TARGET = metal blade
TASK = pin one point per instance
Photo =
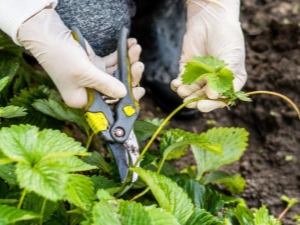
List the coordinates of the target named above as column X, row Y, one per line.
column 120, row 154
column 132, row 148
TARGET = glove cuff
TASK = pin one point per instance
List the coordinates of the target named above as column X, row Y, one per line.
column 15, row 12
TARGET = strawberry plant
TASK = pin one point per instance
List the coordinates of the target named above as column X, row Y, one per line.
column 48, row 177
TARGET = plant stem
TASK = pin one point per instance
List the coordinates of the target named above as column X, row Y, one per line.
column 24, row 192
column 140, row 194
column 278, row 95
column 42, row 211
column 162, row 126
column 89, row 141
column 73, row 211
column 283, row 213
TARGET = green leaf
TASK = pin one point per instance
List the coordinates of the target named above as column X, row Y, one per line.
column 235, row 183
column 144, row 129
column 211, row 62
column 160, row 216
column 105, row 213
column 290, row 201
column 35, row 204
column 25, row 100
column 221, row 81
column 101, row 182
column 133, row 213
column 60, row 216
column 47, row 179
column 59, row 110
column 12, row 111
column 242, row 96
column 194, row 71
column 75, row 164
column 233, row 141
column 214, row 176
column 176, row 137
column 9, row 215
column 25, row 143
column 3, row 82
column 7, row 173
column 201, row 196
column 201, row 216
column 7, row 45
column 111, row 211
column 97, row 159
column 219, row 78
column 79, row 190
column 168, row 194
column 37, row 169
column 244, row 215
column 263, row 217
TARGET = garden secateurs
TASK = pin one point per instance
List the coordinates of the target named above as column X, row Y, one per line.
column 114, row 122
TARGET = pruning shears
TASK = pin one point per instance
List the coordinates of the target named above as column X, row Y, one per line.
column 114, row 122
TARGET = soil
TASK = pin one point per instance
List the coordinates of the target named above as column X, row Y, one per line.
column 271, row 164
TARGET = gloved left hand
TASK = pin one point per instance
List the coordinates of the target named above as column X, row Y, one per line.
column 213, row 28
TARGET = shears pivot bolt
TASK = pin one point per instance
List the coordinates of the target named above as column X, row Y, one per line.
column 119, row 132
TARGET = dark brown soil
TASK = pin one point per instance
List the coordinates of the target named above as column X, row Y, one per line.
column 271, row 164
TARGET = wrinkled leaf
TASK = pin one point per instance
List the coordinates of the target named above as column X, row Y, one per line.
column 3, row 82
column 160, row 216
column 59, row 110
column 262, row 217
column 144, row 129
column 200, row 216
column 25, row 99
column 233, row 142
column 244, row 215
column 194, row 71
column 174, row 143
column 219, row 78
column 47, row 179
column 235, row 183
column 9, row 215
column 7, row 173
column 201, row 196
column 43, row 158
column 8, row 46
column 222, row 81
column 213, row 63
column 104, row 213
column 35, row 203
column 168, row 194
column 79, row 190
column 96, row 159
column 12, row 111
column 101, row 182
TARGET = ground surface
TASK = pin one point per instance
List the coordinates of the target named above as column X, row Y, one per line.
column 271, row 164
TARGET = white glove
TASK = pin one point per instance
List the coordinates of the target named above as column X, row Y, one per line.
column 213, row 28
column 68, row 65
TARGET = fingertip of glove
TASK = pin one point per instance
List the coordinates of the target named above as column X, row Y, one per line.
column 209, row 105
column 175, row 84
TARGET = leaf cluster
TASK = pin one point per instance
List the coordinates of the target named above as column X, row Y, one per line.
column 217, row 76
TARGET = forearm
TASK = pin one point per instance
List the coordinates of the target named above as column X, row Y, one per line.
column 14, row 12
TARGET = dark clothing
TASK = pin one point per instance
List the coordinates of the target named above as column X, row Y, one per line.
column 100, row 21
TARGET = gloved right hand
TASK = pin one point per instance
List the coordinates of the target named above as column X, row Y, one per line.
column 213, row 29
column 68, row 65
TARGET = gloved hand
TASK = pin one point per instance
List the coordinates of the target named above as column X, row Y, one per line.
column 213, row 28
column 68, row 65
